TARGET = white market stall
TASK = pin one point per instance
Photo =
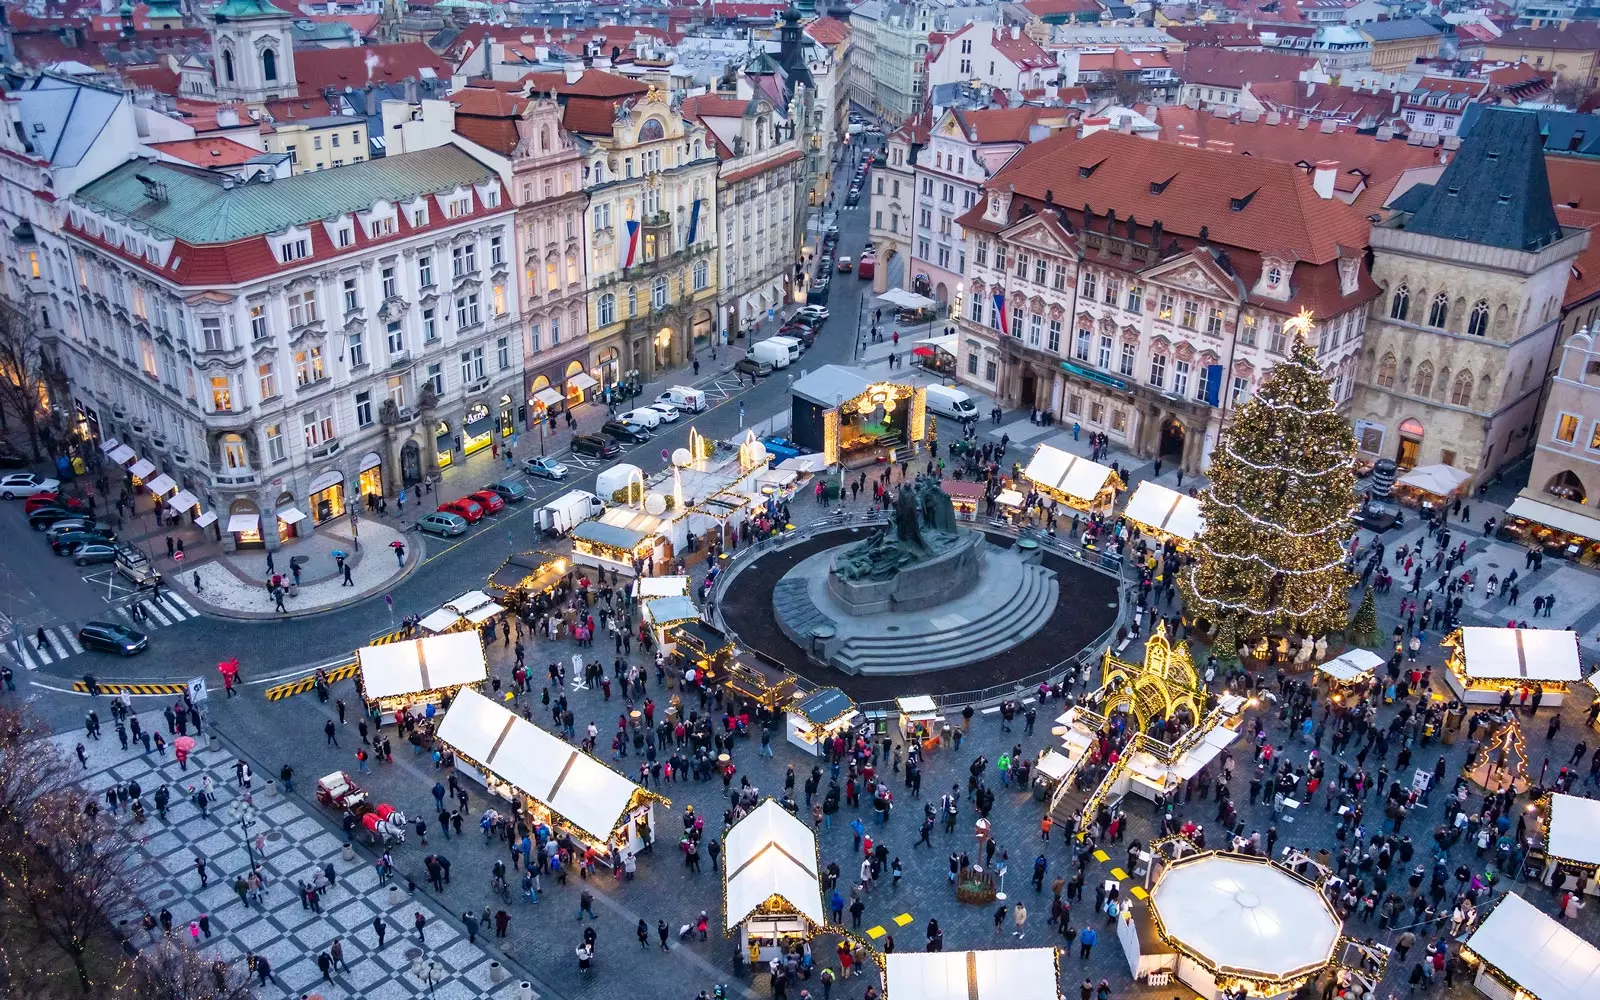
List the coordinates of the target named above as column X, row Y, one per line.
column 770, row 883
column 1072, row 479
column 1164, row 513
column 1429, row 486
column 419, row 673
column 1013, row 974
column 559, row 785
column 819, row 717
column 920, row 719
column 1237, row 920
column 1572, row 842
column 648, row 588
column 468, row 611
column 663, row 614
column 1355, row 666
column 1522, row 954
column 1485, row 662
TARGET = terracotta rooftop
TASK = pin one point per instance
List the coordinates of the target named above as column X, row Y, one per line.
column 316, row 69
column 1321, row 100
column 210, row 151
column 828, row 30
column 1219, row 67
column 1585, row 281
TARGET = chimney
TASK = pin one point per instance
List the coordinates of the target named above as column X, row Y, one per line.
column 372, row 101
column 574, row 71
column 1322, row 179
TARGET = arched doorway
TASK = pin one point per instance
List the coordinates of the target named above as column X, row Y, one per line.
column 1405, row 455
column 662, row 346
column 1173, row 435
column 608, row 362
column 411, row 463
column 1566, row 485
column 941, row 293
column 1027, row 387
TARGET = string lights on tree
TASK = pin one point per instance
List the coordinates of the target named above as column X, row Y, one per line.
column 1270, row 558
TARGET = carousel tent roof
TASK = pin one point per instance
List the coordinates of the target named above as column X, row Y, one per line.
column 1067, row 473
column 1536, row 952
column 830, row 385
column 1018, row 974
column 1574, row 828
column 647, row 587
column 586, row 792
column 1351, row 665
column 1165, row 510
column 1440, row 480
column 771, row 853
column 414, row 665
column 1246, row 915
column 1532, row 654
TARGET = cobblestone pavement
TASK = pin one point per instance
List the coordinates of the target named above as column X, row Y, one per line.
column 291, row 846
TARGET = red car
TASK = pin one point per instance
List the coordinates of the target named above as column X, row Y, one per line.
column 39, row 501
column 466, row 508
column 489, row 500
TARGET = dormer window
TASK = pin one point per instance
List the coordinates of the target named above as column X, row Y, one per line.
column 293, row 250
column 381, row 228
column 344, row 236
column 1274, row 276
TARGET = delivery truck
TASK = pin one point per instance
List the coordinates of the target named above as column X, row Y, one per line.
column 565, row 512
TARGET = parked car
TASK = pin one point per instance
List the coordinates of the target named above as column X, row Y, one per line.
column 489, row 500
column 750, row 366
column 42, row 519
column 109, row 637
column 26, row 484
column 644, row 417
column 463, row 507
column 667, row 411
column 42, row 500
column 77, row 523
column 67, row 541
column 10, row 459
column 596, row 445
column 508, row 491
column 546, row 467
column 442, row 523
column 816, row 312
column 622, row 430
column 94, row 552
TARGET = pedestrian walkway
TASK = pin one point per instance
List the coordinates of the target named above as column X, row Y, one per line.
column 62, row 643
column 290, row 846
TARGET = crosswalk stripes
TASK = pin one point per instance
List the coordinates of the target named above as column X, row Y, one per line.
column 61, row 640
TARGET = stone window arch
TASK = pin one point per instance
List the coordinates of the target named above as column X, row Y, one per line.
column 1478, row 319
column 1461, row 388
column 1422, row 383
column 1439, row 311
column 1400, row 303
column 1386, row 369
column 269, row 65
column 227, row 65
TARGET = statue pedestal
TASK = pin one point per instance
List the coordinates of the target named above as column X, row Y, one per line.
column 924, row 584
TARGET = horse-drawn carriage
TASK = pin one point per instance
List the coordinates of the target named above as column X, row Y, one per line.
column 338, row 791
column 383, row 823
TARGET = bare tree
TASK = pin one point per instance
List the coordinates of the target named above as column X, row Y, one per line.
column 176, row 970
column 26, row 371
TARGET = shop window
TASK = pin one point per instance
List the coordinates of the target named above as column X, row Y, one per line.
column 1566, row 428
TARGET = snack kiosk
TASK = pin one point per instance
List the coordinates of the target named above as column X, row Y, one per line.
column 419, row 674
column 920, row 720
column 1520, row 953
column 820, row 716
column 771, row 890
column 1485, row 662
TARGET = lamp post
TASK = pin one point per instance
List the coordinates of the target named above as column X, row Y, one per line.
column 243, row 812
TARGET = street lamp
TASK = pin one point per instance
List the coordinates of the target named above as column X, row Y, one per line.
column 243, row 812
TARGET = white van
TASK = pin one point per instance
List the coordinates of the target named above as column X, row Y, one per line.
column 794, row 346
column 643, row 415
column 776, row 355
column 684, row 398
column 953, row 403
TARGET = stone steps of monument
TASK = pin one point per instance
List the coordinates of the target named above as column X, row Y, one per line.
column 791, row 599
column 1026, row 610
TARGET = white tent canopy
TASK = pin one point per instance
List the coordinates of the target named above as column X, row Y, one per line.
column 813, row 462
column 1574, row 829
column 1440, row 480
column 1246, row 915
column 902, row 299
column 771, row 853
column 1531, row 654
column 1067, row 473
column 650, row 587
column 413, row 666
column 1553, row 516
column 1166, row 510
column 1536, row 952
column 582, row 790
column 1351, row 665
column 1020, row 974
column 946, row 342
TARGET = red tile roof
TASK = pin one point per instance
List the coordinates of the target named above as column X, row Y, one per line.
column 365, row 25
column 1231, row 35
column 761, row 168
column 1121, row 61
column 1574, row 181
column 828, row 30
column 316, row 69
column 1219, row 67
column 1321, row 100
column 208, row 151
column 1046, row 8
column 593, row 83
column 1579, row 36
column 488, row 117
column 1024, row 52
column 157, row 78
column 1584, row 283
column 999, row 125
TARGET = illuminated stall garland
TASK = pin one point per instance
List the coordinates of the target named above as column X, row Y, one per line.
column 1508, row 981
column 774, row 907
column 525, row 574
column 1466, row 684
column 836, row 714
column 1589, row 867
column 1050, row 471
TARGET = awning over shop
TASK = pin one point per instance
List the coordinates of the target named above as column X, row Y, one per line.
column 767, row 854
column 161, row 485
column 1155, row 506
column 582, row 381
column 572, row 784
column 549, row 397
column 243, row 523
column 947, row 342
column 413, row 666
column 1521, row 654
column 1439, row 480
column 121, row 454
column 142, row 468
column 110, row 445
column 1073, row 475
column 205, row 520
column 1015, row 974
column 1574, row 828
column 291, row 515
column 1554, row 516
column 482, row 425
column 1540, row 957
column 183, row 501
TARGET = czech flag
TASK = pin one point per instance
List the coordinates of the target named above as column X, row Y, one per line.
column 628, row 249
column 694, row 221
column 1000, row 309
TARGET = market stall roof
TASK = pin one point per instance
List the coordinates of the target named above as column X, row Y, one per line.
column 1009, row 498
column 1015, row 974
column 439, row 620
column 483, row 613
column 824, row 706
column 902, row 299
column 1246, row 915
column 1516, row 654
column 142, row 468
column 1440, row 480
column 1536, row 952
column 1351, row 665
column 771, row 853
column 829, row 385
column 648, row 587
column 412, row 666
column 1064, row 472
column 582, row 790
column 538, row 570
column 917, row 704
column 612, row 535
column 814, row 462
column 702, row 634
column 1554, row 516
column 110, row 445
column 948, row 342
column 1166, row 510
column 1574, row 828
column 469, row 602
column 122, row 454
column 777, row 477
column 161, row 485
column 668, row 610
column 962, row 489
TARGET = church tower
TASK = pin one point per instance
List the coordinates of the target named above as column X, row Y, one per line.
column 252, row 48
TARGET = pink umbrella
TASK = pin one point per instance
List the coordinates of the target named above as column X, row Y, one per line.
column 184, row 744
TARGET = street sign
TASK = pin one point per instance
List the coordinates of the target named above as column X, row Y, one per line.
column 197, row 689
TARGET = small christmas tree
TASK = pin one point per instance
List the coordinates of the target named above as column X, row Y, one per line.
column 1364, row 627
column 1277, row 511
column 1503, row 761
column 1225, row 643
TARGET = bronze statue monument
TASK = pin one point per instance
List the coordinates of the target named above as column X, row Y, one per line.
column 923, row 527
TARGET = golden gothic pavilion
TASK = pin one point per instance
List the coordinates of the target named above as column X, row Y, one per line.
column 1165, row 683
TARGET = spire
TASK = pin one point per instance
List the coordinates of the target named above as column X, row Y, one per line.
column 1496, row 191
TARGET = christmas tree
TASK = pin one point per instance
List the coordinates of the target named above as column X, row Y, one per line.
column 1277, row 512
column 1364, row 627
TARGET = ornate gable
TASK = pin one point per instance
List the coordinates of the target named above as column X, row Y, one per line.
column 1195, row 273
column 1038, row 232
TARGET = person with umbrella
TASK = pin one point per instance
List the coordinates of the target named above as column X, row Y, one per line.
column 229, row 669
column 181, row 748
column 399, row 551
